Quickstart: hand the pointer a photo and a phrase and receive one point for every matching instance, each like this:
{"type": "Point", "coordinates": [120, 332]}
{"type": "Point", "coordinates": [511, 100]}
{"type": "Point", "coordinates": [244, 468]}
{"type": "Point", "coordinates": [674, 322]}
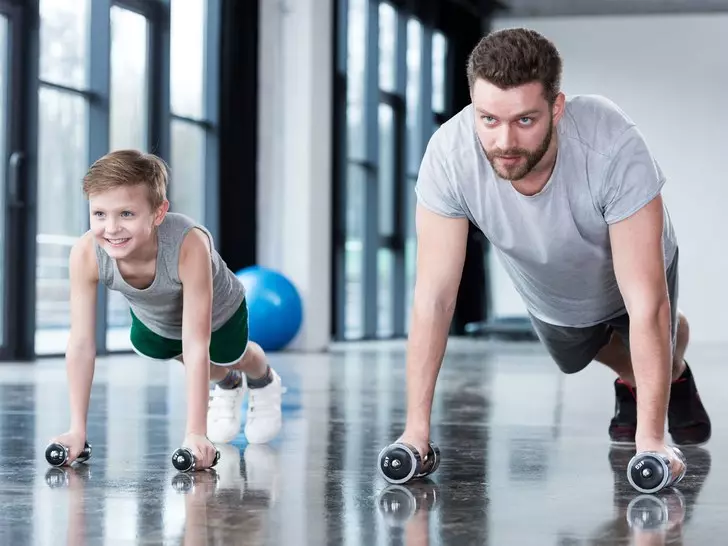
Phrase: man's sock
{"type": "Point", "coordinates": [260, 382]}
{"type": "Point", "coordinates": [232, 380]}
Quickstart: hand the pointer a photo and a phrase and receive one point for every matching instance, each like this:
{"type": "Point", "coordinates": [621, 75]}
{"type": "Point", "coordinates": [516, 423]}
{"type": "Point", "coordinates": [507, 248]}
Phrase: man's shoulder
{"type": "Point", "coordinates": [455, 144]}
{"type": "Point", "coordinates": [455, 133]}
{"type": "Point", "coordinates": [594, 122]}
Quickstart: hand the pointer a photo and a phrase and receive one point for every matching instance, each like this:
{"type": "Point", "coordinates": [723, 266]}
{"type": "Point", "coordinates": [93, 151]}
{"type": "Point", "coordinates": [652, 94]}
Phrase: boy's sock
{"type": "Point", "coordinates": [260, 382]}
{"type": "Point", "coordinates": [232, 380]}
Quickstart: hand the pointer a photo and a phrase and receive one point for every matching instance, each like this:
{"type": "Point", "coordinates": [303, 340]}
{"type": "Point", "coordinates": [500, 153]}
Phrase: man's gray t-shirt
{"type": "Point", "coordinates": [555, 244]}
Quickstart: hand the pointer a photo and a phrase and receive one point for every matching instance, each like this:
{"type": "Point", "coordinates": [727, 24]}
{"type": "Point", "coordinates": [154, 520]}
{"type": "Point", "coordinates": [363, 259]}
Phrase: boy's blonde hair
{"type": "Point", "coordinates": [128, 168]}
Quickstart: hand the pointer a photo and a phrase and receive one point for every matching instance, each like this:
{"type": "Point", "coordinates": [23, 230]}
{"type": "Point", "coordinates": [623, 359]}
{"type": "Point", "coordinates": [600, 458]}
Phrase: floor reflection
{"type": "Point", "coordinates": [525, 460]}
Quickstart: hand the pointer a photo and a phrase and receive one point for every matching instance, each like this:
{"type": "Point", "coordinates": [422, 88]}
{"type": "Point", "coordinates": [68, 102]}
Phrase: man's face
{"type": "Point", "coordinates": [514, 126]}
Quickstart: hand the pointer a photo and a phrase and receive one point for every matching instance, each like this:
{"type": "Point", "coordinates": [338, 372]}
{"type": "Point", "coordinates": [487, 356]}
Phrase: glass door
{"type": "Point", "coordinates": [12, 180]}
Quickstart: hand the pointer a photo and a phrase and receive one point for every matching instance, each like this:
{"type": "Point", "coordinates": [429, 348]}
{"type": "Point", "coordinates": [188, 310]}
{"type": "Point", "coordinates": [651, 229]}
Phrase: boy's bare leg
{"type": "Point", "coordinates": [253, 364]}
{"type": "Point", "coordinates": [263, 384]}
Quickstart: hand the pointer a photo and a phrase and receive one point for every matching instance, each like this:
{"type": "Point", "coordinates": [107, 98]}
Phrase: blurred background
{"type": "Point", "coordinates": [294, 130]}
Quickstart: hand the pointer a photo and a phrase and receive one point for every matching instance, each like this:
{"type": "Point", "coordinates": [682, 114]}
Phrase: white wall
{"type": "Point", "coordinates": [669, 74]}
{"type": "Point", "coordinates": [294, 159]}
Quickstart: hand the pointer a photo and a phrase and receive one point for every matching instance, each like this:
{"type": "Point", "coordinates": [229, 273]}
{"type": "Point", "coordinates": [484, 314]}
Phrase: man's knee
{"type": "Point", "coordinates": [683, 330]}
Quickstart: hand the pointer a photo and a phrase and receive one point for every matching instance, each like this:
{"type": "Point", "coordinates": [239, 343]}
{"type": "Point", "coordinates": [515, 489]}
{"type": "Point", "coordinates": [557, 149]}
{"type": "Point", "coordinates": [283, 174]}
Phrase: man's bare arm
{"type": "Point", "coordinates": [441, 244]}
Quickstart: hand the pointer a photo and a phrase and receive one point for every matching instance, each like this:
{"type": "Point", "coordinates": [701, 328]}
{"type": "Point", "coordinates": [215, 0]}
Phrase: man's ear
{"type": "Point", "coordinates": [558, 108]}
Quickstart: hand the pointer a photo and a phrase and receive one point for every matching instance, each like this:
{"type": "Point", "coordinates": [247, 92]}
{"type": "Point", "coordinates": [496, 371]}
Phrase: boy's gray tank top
{"type": "Point", "coordinates": [159, 306]}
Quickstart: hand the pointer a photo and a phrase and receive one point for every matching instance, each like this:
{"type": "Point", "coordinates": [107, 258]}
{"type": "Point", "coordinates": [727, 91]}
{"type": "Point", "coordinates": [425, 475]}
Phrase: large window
{"type": "Point", "coordinates": [128, 126]}
{"type": "Point", "coordinates": [117, 74]}
{"type": "Point", "coordinates": [188, 188]}
{"type": "Point", "coordinates": [392, 72]}
{"type": "Point", "coordinates": [4, 80]}
{"type": "Point", "coordinates": [62, 157]}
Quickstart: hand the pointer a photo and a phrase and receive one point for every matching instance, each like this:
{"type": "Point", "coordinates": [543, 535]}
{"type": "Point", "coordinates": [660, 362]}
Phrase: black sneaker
{"type": "Point", "coordinates": [688, 422]}
{"type": "Point", "coordinates": [623, 427]}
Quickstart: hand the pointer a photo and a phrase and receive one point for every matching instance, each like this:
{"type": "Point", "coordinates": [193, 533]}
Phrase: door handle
{"type": "Point", "coordinates": [14, 167]}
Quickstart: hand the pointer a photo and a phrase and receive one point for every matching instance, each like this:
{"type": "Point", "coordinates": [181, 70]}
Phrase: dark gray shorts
{"type": "Point", "coordinates": [574, 348]}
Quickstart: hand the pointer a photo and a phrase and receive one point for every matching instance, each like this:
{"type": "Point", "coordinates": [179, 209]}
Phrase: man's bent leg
{"type": "Point", "coordinates": [616, 354]}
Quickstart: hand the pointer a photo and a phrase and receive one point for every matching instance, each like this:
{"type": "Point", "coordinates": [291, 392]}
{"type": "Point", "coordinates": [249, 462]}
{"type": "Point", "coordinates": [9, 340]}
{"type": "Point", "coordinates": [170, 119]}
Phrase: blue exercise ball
{"type": "Point", "coordinates": [275, 310]}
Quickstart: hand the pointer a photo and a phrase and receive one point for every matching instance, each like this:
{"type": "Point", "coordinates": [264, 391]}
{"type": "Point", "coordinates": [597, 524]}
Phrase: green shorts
{"type": "Point", "coordinates": [227, 343]}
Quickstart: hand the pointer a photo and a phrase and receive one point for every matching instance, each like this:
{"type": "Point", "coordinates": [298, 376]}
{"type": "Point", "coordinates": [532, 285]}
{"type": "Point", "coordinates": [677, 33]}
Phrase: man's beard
{"type": "Point", "coordinates": [517, 172]}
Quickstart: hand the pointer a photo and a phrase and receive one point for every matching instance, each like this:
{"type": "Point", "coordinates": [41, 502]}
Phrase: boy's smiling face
{"type": "Point", "coordinates": [122, 220]}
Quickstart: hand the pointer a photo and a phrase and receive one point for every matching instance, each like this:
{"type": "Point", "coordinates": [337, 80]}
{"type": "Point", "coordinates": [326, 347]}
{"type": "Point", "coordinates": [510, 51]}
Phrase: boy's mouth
{"type": "Point", "coordinates": [117, 242]}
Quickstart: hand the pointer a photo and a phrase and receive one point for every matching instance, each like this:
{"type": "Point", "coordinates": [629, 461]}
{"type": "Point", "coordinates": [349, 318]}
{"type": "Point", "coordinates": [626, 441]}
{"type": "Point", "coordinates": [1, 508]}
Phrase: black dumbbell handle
{"type": "Point", "coordinates": [57, 454]}
{"type": "Point", "coordinates": [184, 460]}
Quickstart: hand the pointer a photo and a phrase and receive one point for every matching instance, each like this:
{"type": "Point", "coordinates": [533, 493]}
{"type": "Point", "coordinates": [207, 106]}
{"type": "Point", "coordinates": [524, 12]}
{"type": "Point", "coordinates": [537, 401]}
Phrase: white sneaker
{"type": "Point", "coordinates": [263, 420]}
{"type": "Point", "coordinates": [224, 413]}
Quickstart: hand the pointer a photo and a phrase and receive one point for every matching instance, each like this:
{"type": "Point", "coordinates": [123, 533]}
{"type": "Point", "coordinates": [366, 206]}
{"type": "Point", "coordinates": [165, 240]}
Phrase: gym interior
{"type": "Point", "coordinates": [294, 130]}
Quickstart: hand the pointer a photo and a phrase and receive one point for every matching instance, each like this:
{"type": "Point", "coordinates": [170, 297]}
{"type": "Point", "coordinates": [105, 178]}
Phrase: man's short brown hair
{"type": "Point", "coordinates": [128, 168]}
{"type": "Point", "coordinates": [516, 56]}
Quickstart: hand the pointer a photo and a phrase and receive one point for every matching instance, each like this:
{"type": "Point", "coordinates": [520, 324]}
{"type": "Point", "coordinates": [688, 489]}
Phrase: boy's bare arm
{"type": "Point", "coordinates": [195, 269]}
{"type": "Point", "coordinates": [81, 348]}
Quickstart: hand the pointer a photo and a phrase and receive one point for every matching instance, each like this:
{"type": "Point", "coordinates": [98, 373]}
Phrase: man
{"type": "Point", "coordinates": [567, 192]}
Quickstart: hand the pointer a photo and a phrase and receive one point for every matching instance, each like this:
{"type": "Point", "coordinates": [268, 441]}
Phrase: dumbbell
{"type": "Point", "coordinates": [655, 513]}
{"type": "Point", "coordinates": [57, 454]}
{"type": "Point", "coordinates": [400, 462]}
{"type": "Point", "coordinates": [398, 504]}
{"type": "Point", "coordinates": [650, 472]}
{"type": "Point", "coordinates": [184, 460]}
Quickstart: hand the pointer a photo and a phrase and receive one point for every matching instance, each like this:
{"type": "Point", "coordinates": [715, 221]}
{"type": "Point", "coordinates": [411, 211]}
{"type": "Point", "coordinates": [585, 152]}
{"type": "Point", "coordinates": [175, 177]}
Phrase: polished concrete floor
{"type": "Point", "coordinates": [526, 459]}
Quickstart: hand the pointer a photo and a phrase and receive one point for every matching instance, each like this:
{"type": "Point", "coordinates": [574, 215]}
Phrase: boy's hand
{"type": "Point", "coordinates": [202, 448]}
{"type": "Point", "coordinates": [74, 442]}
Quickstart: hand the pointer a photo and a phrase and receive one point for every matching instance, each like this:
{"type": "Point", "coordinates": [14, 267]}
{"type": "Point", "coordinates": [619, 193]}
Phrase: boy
{"type": "Point", "coordinates": [185, 305]}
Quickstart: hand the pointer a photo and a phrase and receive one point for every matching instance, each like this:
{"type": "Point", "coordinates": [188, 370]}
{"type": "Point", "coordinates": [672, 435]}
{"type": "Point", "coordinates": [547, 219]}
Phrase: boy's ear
{"type": "Point", "coordinates": [161, 212]}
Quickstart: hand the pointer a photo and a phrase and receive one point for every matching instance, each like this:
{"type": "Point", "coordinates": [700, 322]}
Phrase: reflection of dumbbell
{"type": "Point", "coordinates": [184, 460]}
{"type": "Point", "coordinates": [655, 513]}
{"type": "Point", "coordinates": [400, 462]}
{"type": "Point", "coordinates": [60, 477]}
{"type": "Point", "coordinates": [398, 504]}
{"type": "Point", "coordinates": [57, 454]}
{"type": "Point", "coordinates": [56, 478]}
{"type": "Point", "coordinates": [649, 472]}
{"type": "Point", "coordinates": [186, 483]}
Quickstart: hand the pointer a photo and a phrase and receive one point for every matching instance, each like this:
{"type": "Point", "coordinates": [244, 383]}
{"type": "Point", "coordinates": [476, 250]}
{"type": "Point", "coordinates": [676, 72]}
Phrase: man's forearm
{"type": "Point", "coordinates": [197, 372]}
{"type": "Point", "coordinates": [651, 351]}
{"type": "Point", "coordinates": [426, 347]}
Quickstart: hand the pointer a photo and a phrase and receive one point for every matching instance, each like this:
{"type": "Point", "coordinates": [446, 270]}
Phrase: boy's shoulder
{"type": "Point", "coordinates": [83, 257]}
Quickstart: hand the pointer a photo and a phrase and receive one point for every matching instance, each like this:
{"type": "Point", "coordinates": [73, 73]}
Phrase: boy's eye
{"type": "Point", "coordinates": [127, 214]}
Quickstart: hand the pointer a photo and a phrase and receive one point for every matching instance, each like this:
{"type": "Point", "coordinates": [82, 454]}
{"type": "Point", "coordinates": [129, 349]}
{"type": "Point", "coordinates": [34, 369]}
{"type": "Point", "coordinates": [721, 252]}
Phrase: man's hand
{"type": "Point", "coordinates": [676, 465]}
{"type": "Point", "coordinates": [419, 440]}
{"type": "Point", "coordinates": [202, 448]}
